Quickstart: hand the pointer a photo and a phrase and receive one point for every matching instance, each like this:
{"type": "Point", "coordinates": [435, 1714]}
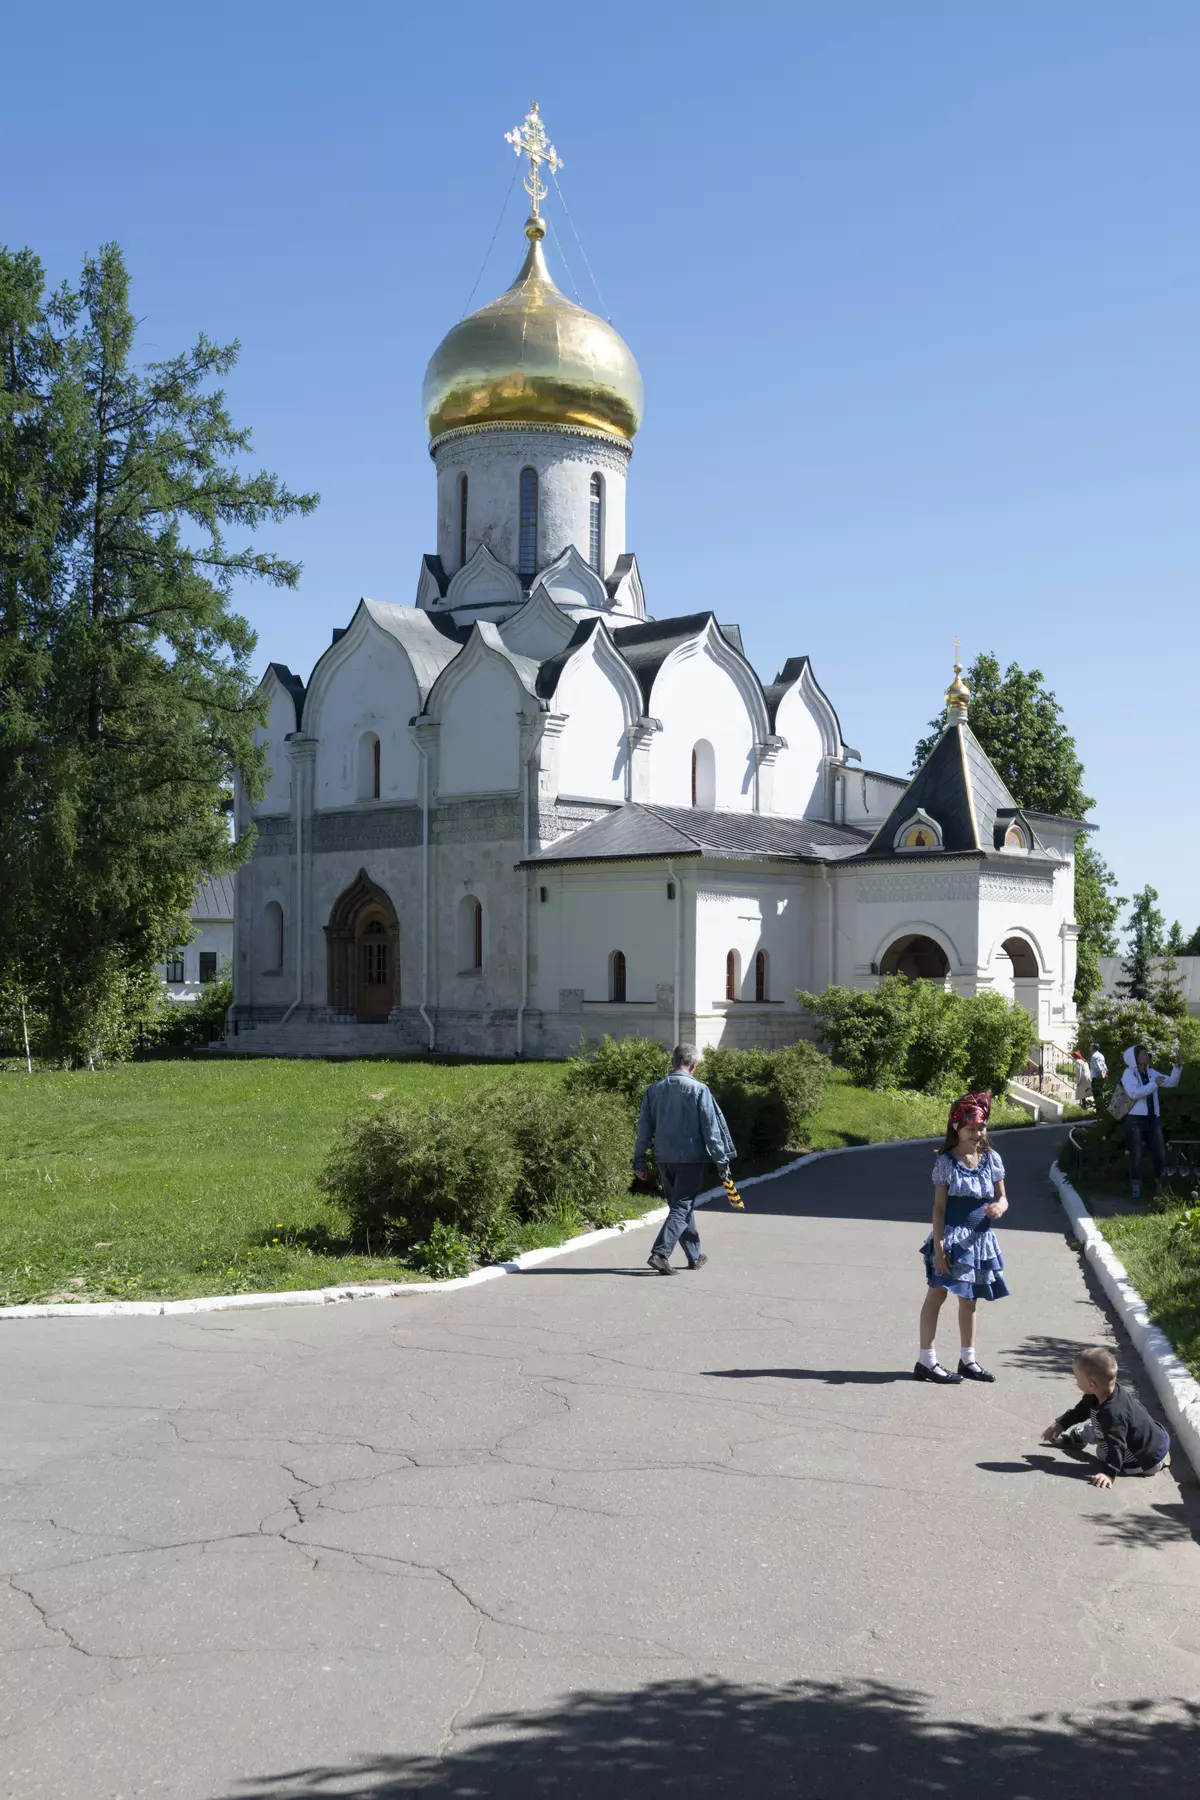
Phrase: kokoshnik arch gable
{"type": "Point", "coordinates": [522, 810]}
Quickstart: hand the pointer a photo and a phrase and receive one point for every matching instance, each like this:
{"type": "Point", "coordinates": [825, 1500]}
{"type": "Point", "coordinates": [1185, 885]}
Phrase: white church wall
{"type": "Point", "coordinates": [797, 785]}
{"type": "Point", "coordinates": [589, 912]}
{"type": "Point", "coordinates": [865, 798]}
{"type": "Point", "coordinates": [281, 721]}
{"type": "Point", "coordinates": [936, 900]}
{"type": "Point", "coordinates": [696, 699]}
{"type": "Point", "coordinates": [492, 461]}
{"type": "Point", "coordinates": [746, 910]}
{"type": "Point", "coordinates": [370, 692]}
{"type": "Point", "coordinates": [592, 752]}
{"type": "Point", "coordinates": [479, 737]}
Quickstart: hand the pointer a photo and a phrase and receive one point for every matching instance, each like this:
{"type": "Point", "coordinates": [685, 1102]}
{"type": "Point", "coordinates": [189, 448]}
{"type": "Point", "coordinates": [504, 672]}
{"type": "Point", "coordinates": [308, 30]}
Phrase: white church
{"type": "Point", "coordinates": [526, 810]}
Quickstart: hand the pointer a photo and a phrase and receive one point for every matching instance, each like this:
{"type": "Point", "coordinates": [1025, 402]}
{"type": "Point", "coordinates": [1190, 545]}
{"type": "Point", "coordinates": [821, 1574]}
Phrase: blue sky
{"type": "Point", "coordinates": [913, 288]}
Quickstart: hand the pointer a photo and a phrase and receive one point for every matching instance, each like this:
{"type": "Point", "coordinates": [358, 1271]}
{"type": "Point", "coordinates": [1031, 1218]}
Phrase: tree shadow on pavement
{"type": "Point", "coordinates": [1161, 1525]}
{"type": "Point", "coordinates": [832, 1377]}
{"type": "Point", "coordinates": [708, 1739]}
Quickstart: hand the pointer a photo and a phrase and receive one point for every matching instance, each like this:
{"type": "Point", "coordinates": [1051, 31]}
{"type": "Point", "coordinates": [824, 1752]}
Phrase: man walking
{"type": "Point", "coordinates": [687, 1128]}
{"type": "Point", "coordinates": [1143, 1121]}
{"type": "Point", "coordinates": [1098, 1069]}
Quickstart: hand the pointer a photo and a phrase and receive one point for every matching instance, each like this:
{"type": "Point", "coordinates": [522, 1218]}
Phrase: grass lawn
{"type": "Point", "coordinates": [182, 1178]}
{"type": "Point", "coordinates": [854, 1115]}
{"type": "Point", "coordinates": [1165, 1270]}
{"type": "Point", "coordinates": [173, 1179]}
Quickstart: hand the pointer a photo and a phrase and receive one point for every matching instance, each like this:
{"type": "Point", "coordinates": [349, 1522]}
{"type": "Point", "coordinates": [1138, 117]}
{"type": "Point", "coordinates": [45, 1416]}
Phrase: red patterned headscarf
{"type": "Point", "coordinates": [970, 1109]}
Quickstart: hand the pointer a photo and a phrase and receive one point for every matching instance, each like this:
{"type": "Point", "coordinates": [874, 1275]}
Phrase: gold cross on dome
{"type": "Point", "coordinates": [529, 139]}
{"type": "Point", "coordinates": [957, 663]}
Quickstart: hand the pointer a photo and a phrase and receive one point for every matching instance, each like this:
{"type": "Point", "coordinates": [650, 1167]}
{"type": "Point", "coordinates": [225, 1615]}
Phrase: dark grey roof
{"type": "Point", "coordinates": [621, 569]}
{"type": "Point", "coordinates": [434, 565]}
{"type": "Point", "coordinates": [551, 670]}
{"type": "Point", "coordinates": [733, 635]}
{"type": "Point", "coordinates": [647, 647]}
{"type": "Point", "coordinates": [637, 832]}
{"type": "Point", "coordinates": [960, 790]}
{"type": "Point", "coordinates": [294, 686]}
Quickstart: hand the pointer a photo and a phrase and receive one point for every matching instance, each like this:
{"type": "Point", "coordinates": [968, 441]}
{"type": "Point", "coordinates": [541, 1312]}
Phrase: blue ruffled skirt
{"type": "Point", "coordinates": [976, 1265]}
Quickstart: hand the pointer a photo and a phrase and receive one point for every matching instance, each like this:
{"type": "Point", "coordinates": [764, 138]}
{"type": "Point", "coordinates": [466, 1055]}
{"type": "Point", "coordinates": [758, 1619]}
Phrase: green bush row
{"type": "Point", "coordinates": [766, 1095]}
{"type": "Point", "coordinates": [913, 1034]}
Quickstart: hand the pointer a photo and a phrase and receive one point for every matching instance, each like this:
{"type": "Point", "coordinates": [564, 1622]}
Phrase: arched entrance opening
{"type": "Point", "coordinates": [362, 942]}
{"type": "Point", "coordinates": [920, 958]}
{"type": "Point", "coordinates": [1025, 972]}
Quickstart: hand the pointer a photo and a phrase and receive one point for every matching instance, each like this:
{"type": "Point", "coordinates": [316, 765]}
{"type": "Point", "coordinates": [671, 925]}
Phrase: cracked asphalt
{"type": "Point", "coordinates": [471, 1542]}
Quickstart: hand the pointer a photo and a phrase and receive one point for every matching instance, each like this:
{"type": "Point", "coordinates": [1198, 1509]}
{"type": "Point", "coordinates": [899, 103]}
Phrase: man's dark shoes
{"type": "Point", "coordinates": [660, 1265]}
{"type": "Point", "coordinates": [698, 1262]}
{"type": "Point", "coordinates": [973, 1372]}
{"type": "Point", "coordinates": [941, 1376]}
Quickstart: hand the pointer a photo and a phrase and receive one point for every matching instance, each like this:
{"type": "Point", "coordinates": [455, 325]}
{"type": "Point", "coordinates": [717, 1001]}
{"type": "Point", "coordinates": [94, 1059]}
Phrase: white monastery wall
{"type": "Point", "coordinates": [592, 750]}
{"type": "Point", "coordinates": [480, 736]}
{"type": "Point", "coordinates": [697, 700]}
{"type": "Point", "coordinates": [370, 690]}
{"type": "Point", "coordinates": [281, 720]}
{"type": "Point", "coordinates": [865, 799]}
{"type": "Point", "coordinates": [797, 784]}
{"type": "Point", "coordinates": [492, 461]}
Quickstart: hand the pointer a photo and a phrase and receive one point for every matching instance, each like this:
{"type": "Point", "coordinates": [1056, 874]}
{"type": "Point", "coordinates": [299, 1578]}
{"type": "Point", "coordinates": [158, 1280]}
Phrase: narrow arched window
{"type": "Point", "coordinates": [462, 520]}
{"type": "Point", "coordinates": [731, 975]}
{"type": "Point", "coordinates": [368, 766]}
{"type": "Point", "coordinates": [273, 936]}
{"type": "Point", "coordinates": [704, 775]}
{"type": "Point", "coordinates": [477, 937]}
{"type": "Point", "coordinates": [596, 523]}
{"type": "Point", "coordinates": [616, 977]}
{"type": "Point", "coordinates": [760, 976]}
{"type": "Point", "coordinates": [528, 545]}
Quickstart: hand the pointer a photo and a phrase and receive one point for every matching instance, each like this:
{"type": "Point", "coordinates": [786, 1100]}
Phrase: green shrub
{"type": "Point", "coordinates": [496, 1241]}
{"type": "Point", "coordinates": [1000, 1037]}
{"type": "Point", "coordinates": [572, 1145]}
{"type": "Point", "coordinates": [444, 1255]}
{"type": "Point", "coordinates": [868, 1033]}
{"type": "Point", "coordinates": [184, 1024]}
{"type": "Point", "coordinates": [623, 1066]}
{"type": "Point", "coordinates": [400, 1170]}
{"type": "Point", "coordinates": [766, 1095]}
{"type": "Point", "coordinates": [937, 1054]}
{"type": "Point", "coordinates": [915, 1034]}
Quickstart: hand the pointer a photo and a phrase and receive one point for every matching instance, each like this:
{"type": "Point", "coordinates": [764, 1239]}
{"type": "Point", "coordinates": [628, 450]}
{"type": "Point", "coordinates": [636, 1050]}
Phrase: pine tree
{"type": "Point", "coordinates": [1175, 940]}
{"type": "Point", "coordinates": [1146, 944]}
{"type": "Point", "coordinates": [1019, 723]}
{"type": "Point", "coordinates": [135, 703]}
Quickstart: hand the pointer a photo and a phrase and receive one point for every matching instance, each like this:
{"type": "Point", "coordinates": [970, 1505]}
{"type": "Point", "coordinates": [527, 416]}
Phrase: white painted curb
{"type": "Point", "coordinates": [111, 1309]}
{"type": "Point", "coordinates": [1175, 1386]}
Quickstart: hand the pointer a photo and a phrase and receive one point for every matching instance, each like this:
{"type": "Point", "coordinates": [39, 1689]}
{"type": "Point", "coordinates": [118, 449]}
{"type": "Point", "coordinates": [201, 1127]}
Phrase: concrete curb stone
{"type": "Point", "coordinates": [1173, 1383]}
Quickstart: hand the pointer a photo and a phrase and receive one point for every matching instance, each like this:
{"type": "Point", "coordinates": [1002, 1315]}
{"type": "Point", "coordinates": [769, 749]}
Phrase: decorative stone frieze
{"type": "Point", "coordinates": [1022, 890]}
{"type": "Point", "coordinates": [374, 827]}
{"type": "Point", "coordinates": [917, 884]}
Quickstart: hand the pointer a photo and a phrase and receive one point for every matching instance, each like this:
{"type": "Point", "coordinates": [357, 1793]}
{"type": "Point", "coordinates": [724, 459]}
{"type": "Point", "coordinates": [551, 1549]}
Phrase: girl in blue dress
{"type": "Point", "coordinates": [961, 1254]}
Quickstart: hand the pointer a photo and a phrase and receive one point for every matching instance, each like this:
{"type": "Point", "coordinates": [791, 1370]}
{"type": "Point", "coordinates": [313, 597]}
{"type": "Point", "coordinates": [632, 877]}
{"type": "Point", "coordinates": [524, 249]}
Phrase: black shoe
{"type": "Point", "coordinates": [699, 1261]}
{"type": "Point", "coordinates": [660, 1265]}
{"type": "Point", "coordinates": [973, 1372]}
{"type": "Point", "coordinates": [941, 1376]}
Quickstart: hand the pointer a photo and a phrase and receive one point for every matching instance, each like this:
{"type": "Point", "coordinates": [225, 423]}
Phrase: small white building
{"type": "Point", "coordinates": [521, 810]}
{"type": "Point", "coordinates": [210, 952]}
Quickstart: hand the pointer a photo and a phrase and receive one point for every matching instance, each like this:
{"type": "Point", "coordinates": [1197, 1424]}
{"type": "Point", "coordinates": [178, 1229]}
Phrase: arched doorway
{"type": "Point", "coordinates": [362, 942]}
{"type": "Point", "coordinates": [920, 958]}
{"type": "Point", "coordinates": [1025, 973]}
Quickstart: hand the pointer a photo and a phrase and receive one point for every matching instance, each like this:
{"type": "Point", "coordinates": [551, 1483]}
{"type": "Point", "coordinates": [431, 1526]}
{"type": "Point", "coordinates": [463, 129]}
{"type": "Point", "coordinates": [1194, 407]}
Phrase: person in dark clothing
{"type": "Point", "coordinates": [1143, 1121]}
{"type": "Point", "coordinates": [687, 1128]}
{"type": "Point", "coordinates": [1109, 1416]}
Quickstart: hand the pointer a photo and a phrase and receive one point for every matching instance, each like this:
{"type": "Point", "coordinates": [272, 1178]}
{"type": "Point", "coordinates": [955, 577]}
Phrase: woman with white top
{"type": "Point", "coordinates": [1143, 1121]}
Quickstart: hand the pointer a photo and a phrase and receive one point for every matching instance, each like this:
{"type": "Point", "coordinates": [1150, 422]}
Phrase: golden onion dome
{"type": "Point", "coordinates": [532, 357]}
{"type": "Point", "coordinates": [958, 694]}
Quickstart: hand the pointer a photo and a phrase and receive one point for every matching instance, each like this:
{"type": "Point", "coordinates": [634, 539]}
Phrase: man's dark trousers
{"type": "Point", "coordinates": [681, 1182]}
{"type": "Point", "coordinates": [1143, 1132]}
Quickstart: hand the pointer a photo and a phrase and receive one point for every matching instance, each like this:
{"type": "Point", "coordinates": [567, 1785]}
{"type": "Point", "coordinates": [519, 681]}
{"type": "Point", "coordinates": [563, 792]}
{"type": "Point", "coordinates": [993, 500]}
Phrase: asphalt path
{"type": "Point", "coordinates": [586, 1532]}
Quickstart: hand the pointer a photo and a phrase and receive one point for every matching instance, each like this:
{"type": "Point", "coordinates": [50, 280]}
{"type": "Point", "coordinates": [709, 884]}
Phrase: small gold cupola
{"type": "Point", "coordinates": [958, 694]}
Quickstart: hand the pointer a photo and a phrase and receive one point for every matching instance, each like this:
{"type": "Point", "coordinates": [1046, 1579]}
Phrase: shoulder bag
{"type": "Point", "coordinates": [1120, 1101]}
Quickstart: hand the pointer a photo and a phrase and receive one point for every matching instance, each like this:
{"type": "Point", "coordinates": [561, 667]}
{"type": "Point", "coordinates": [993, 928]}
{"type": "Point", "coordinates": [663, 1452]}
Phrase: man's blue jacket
{"type": "Point", "coordinates": [684, 1123]}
